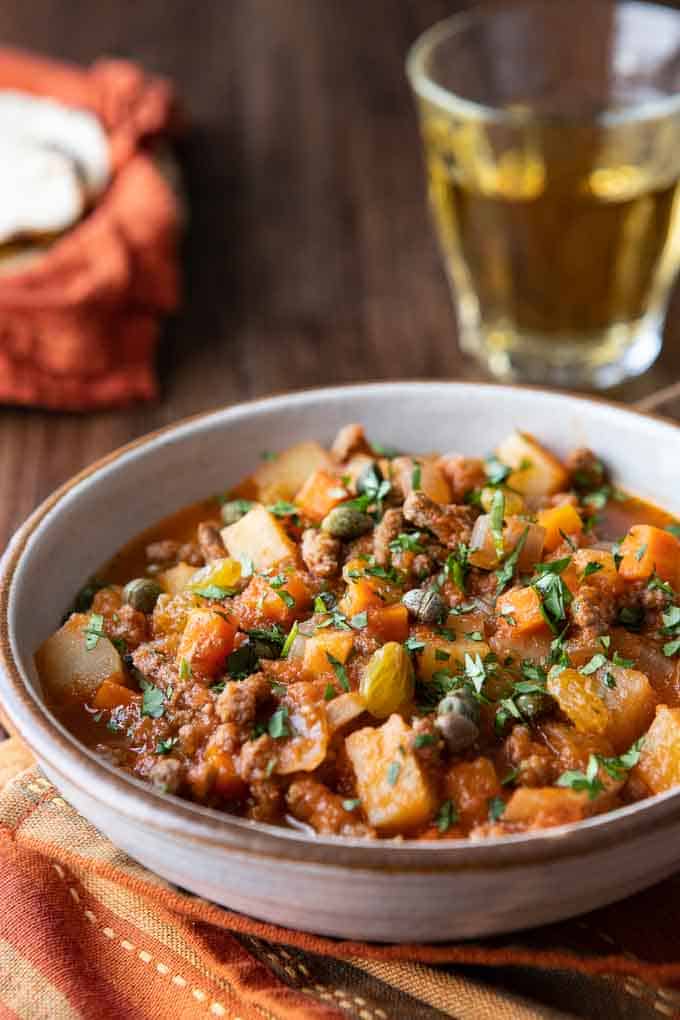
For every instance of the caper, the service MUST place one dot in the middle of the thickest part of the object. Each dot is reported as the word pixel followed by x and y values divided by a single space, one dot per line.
pixel 370 478
pixel 459 703
pixel 142 594
pixel 346 522
pixel 425 604
pixel 536 704
pixel 388 682
pixel 234 510
pixel 457 717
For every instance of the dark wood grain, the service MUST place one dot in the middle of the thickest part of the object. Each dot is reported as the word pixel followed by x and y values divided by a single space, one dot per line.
pixel 310 257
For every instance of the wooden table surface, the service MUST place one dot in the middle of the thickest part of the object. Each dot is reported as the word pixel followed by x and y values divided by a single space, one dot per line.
pixel 310 257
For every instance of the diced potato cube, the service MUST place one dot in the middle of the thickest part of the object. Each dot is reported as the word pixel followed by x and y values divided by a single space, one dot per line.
pixel 537 472
pixel 647 550
pixel 388 623
pixel 285 474
pixel 464 624
pixel 521 608
pixel 337 643
pixel 543 807
pixel 470 785
pixel 659 764
pixel 259 537
pixel 207 640
pixel 343 710
pixel 578 698
pixel 631 702
pixel 320 493
pixel 175 579
pixel 439 655
pixel 396 793
pixel 69 670
pixel 559 520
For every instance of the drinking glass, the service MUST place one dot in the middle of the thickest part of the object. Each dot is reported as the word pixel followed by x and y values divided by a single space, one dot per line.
pixel 552 143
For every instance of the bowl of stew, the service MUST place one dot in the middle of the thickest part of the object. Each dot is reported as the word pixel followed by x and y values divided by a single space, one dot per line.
pixel 391 661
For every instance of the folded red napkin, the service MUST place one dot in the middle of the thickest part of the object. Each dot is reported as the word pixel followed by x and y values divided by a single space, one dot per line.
pixel 79 326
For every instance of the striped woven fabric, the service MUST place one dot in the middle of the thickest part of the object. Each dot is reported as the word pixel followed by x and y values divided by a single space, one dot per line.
pixel 86 932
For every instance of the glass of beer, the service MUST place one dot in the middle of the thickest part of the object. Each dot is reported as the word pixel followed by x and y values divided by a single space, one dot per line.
pixel 552 143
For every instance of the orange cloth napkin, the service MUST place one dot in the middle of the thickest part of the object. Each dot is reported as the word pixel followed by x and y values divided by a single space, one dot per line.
pixel 78 327
pixel 86 932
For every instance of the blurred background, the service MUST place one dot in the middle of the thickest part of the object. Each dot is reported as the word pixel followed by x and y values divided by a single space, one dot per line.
pixel 310 258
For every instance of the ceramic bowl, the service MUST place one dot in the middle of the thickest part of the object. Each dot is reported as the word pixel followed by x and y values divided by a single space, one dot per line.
pixel 398 891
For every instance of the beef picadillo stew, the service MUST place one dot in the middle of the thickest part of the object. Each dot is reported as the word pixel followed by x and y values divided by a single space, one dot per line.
pixel 376 644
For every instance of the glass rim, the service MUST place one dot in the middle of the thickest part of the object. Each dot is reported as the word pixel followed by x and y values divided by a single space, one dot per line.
pixel 425 88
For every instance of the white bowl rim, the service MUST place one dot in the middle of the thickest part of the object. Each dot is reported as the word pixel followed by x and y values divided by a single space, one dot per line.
pixel 66 756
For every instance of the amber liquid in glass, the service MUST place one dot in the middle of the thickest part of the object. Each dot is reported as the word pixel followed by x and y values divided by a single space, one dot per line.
pixel 552 250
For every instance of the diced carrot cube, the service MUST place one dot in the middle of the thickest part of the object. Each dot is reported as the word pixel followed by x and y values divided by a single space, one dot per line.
pixel 320 493
pixel 336 643
pixel 523 606
pixel 281 603
pixel 596 568
pixel 470 785
pixel 557 520
pixel 388 623
pixel 207 640
pixel 227 781
pixel 361 594
pixel 647 550
pixel 111 694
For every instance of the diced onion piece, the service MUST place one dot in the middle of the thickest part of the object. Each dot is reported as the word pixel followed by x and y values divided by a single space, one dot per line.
pixel 483 550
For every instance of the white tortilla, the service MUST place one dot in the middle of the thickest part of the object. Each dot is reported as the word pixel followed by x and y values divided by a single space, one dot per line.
pixel 76 133
pixel 40 190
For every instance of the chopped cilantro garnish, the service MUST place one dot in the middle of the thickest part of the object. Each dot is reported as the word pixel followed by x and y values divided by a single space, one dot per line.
pixel 424 740
pixel 278 724
pixel 674 529
pixel 351 804
pixel 214 591
pixel 393 772
pixel 268 455
pixel 184 669
pixel 496 472
pixel 641 552
pixel 588 780
pixel 407 543
pixel 447 816
pixel 416 476
pixel 359 620
pixel 497 515
pixel 552 591
pixel 94 630
pixel 509 777
pixel 166 746
pixel 592 568
pixel 457 565
pixel 496 808
pixel 153 700
pixel 595 663
pixel 329 693
pixel 282 508
pixel 287 644
pixel 339 671
pixel 414 644
pixel 655 583
pixel 506 572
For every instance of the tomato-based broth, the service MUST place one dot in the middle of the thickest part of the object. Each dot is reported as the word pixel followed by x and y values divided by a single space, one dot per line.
pixel 365 642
